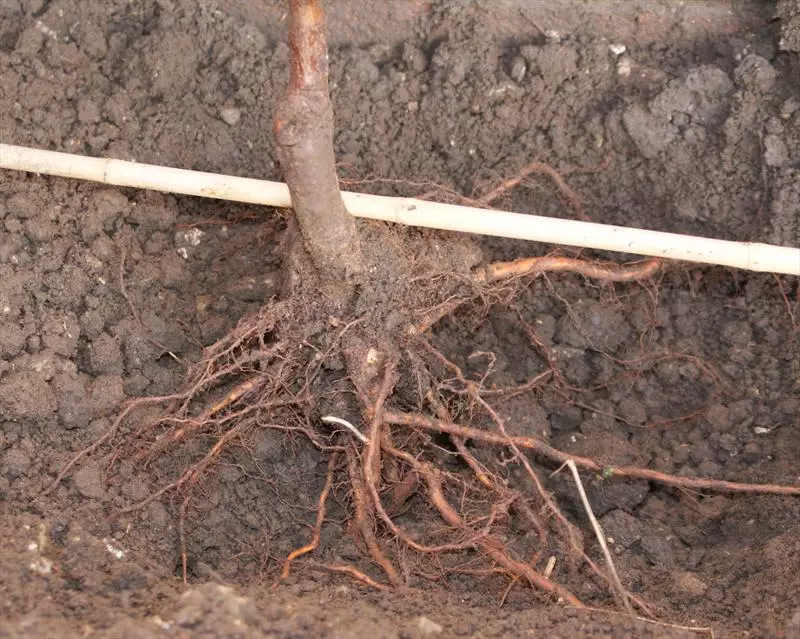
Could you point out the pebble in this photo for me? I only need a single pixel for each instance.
(776, 153)
(428, 628)
(789, 107)
(518, 69)
(230, 115)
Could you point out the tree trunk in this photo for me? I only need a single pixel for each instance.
(303, 127)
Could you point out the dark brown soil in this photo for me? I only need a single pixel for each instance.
(108, 294)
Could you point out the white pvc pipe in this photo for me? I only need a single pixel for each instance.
(746, 255)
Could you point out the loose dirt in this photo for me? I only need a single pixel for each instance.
(108, 294)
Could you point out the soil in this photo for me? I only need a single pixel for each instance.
(108, 294)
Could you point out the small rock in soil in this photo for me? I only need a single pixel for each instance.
(788, 108)
(230, 115)
(428, 628)
(624, 66)
(518, 69)
(776, 153)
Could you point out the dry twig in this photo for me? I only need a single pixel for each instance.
(619, 590)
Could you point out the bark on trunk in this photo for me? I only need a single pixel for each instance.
(304, 133)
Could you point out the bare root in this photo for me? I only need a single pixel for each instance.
(543, 449)
(553, 264)
(263, 376)
(312, 545)
(267, 373)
